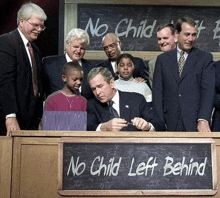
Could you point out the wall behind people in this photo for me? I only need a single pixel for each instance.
(136, 24)
(47, 42)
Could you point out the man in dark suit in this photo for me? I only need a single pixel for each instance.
(184, 83)
(76, 42)
(113, 110)
(112, 47)
(21, 99)
(216, 113)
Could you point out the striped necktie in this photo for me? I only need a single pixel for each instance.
(181, 62)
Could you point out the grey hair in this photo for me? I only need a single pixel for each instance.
(77, 33)
(111, 35)
(27, 10)
(100, 70)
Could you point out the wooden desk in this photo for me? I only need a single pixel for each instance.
(35, 158)
(5, 166)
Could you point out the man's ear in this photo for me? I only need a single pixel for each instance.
(64, 78)
(176, 35)
(119, 42)
(112, 83)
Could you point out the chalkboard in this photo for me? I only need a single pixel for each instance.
(136, 25)
(119, 166)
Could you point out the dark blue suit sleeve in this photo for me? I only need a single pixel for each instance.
(92, 120)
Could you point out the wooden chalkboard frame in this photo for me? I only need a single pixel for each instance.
(71, 18)
(138, 192)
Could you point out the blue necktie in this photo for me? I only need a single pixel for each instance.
(113, 112)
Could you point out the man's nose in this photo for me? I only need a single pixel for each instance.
(190, 38)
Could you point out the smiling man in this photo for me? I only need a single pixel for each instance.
(21, 98)
(166, 41)
(113, 110)
(184, 83)
(77, 41)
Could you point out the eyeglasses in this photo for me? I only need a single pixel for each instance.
(36, 26)
(111, 46)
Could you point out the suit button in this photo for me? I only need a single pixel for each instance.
(180, 95)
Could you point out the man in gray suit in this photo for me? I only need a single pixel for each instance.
(184, 83)
(166, 41)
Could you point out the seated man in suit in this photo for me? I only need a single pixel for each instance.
(166, 41)
(76, 42)
(113, 110)
(112, 47)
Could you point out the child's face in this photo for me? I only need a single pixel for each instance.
(73, 79)
(126, 67)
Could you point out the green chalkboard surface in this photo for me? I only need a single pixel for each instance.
(137, 164)
(136, 25)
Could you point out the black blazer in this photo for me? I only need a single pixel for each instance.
(16, 89)
(189, 96)
(53, 70)
(131, 105)
(141, 70)
(216, 114)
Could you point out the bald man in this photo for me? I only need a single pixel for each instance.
(112, 47)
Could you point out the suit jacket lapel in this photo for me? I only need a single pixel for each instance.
(20, 44)
(190, 63)
(109, 66)
(124, 107)
(173, 64)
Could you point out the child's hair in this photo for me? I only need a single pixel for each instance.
(71, 66)
(125, 56)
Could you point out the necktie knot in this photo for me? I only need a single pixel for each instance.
(113, 112)
(111, 103)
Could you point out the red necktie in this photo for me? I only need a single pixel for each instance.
(34, 70)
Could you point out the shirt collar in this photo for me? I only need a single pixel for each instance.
(126, 79)
(179, 50)
(68, 59)
(115, 99)
(25, 41)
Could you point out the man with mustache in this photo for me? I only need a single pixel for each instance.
(77, 41)
(112, 47)
(166, 41)
(21, 99)
(184, 83)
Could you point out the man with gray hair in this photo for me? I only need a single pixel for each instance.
(113, 110)
(77, 41)
(21, 97)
